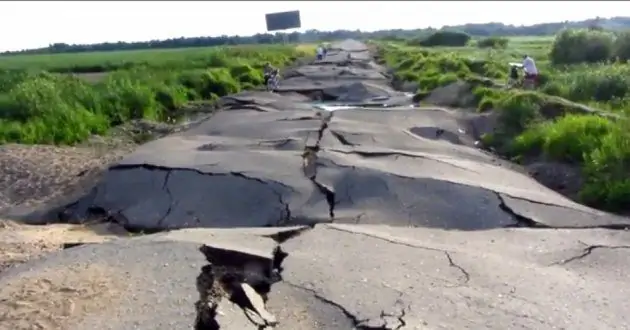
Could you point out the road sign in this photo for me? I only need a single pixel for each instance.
(283, 21)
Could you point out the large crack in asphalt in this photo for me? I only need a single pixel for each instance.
(523, 221)
(342, 139)
(116, 216)
(587, 250)
(385, 321)
(447, 254)
(241, 278)
(520, 220)
(246, 279)
(310, 162)
(376, 154)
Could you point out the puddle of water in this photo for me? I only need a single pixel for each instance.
(330, 107)
(379, 102)
(335, 107)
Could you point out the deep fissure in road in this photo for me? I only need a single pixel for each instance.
(310, 163)
(229, 273)
(242, 279)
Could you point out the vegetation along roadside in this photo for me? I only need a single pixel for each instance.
(576, 117)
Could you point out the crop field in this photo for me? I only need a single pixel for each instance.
(180, 58)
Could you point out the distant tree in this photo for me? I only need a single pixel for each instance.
(482, 30)
(573, 46)
(493, 42)
(445, 38)
(622, 46)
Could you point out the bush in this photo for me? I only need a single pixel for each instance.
(445, 38)
(486, 98)
(608, 171)
(570, 138)
(493, 42)
(518, 111)
(581, 46)
(622, 46)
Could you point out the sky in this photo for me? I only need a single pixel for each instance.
(31, 24)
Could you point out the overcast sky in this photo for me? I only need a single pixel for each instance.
(31, 24)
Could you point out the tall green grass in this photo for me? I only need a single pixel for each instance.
(41, 107)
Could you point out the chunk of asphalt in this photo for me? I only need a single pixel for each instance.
(257, 304)
(244, 279)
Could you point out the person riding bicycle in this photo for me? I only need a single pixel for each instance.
(269, 72)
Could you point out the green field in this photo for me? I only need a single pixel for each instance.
(180, 58)
(577, 68)
(40, 105)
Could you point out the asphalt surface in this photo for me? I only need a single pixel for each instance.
(415, 225)
(340, 276)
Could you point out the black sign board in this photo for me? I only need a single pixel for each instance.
(283, 21)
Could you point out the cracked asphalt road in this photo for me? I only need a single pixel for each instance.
(276, 159)
(401, 223)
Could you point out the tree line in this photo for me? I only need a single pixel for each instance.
(481, 30)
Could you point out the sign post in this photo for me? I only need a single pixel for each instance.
(283, 21)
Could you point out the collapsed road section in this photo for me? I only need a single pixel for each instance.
(278, 159)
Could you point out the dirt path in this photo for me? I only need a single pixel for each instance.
(58, 298)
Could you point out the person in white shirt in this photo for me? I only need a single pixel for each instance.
(529, 66)
(530, 70)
